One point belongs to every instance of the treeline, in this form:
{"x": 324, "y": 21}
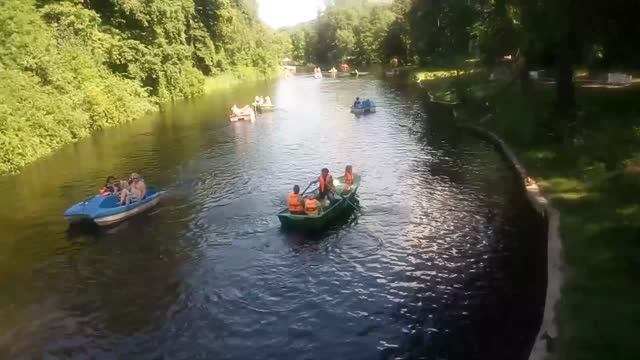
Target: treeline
{"x": 556, "y": 35}
{"x": 551, "y": 34}
{"x": 69, "y": 67}
{"x": 343, "y": 34}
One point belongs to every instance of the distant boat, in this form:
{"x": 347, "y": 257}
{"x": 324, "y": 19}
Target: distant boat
{"x": 264, "y": 108}
{"x": 366, "y": 106}
{"x": 353, "y": 73}
{"x": 248, "y": 115}
{"x": 106, "y": 210}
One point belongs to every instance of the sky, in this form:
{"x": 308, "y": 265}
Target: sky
{"x": 280, "y": 13}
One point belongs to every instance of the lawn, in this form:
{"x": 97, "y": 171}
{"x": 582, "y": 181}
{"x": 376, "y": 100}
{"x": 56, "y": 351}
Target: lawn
{"x": 590, "y": 170}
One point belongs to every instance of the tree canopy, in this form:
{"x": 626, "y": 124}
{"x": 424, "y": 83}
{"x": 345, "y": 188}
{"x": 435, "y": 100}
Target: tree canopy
{"x": 72, "y": 66}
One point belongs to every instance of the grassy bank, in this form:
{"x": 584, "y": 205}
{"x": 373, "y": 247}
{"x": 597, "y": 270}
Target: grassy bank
{"x": 590, "y": 170}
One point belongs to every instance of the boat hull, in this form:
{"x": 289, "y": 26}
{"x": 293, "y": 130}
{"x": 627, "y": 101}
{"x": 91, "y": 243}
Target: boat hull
{"x": 248, "y": 116}
{"x": 368, "y": 110}
{"x": 265, "y": 108}
{"x": 106, "y": 210}
{"x": 116, "y": 218}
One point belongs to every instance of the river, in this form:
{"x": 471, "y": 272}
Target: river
{"x": 444, "y": 260}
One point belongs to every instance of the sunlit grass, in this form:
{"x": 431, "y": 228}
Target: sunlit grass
{"x": 590, "y": 170}
{"x": 442, "y": 74}
{"x": 589, "y": 177}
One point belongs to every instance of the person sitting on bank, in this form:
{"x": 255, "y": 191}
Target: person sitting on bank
{"x": 348, "y": 178}
{"x": 357, "y": 103}
{"x": 109, "y": 186}
{"x": 295, "y": 202}
{"x": 312, "y": 206}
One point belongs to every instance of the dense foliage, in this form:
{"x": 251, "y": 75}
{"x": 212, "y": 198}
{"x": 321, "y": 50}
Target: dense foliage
{"x": 343, "y": 34}
{"x": 69, "y": 67}
{"x": 551, "y": 34}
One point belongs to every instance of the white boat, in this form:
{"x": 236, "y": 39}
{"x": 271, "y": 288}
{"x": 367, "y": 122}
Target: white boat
{"x": 248, "y": 115}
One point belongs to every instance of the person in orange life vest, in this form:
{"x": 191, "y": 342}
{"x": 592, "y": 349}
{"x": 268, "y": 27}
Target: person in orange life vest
{"x": 312, "y": 206}
{"x": 109, "y": 187}
{"x": 295, "y": 202}
{"x": 325, "y": 187}
{"x": 348, "y": 178}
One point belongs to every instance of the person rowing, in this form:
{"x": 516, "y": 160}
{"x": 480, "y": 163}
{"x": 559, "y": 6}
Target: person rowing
{"x": 357, "y": 103}
{"x": 326, "y": 188}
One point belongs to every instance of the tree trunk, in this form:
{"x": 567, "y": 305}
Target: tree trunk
{"x": 525, "y": 80}
{"x": 565, "y": 89}
{"x": 528, "y": 11}
{"x": 565, "y": 57}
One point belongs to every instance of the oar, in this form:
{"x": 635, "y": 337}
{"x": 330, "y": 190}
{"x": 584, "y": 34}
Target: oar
{"x": 305, "y": 190}
{"x": 346, "y": 198}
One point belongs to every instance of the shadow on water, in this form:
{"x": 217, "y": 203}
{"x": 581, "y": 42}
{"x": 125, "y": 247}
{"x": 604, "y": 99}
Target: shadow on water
{"x": 501, "y": 307}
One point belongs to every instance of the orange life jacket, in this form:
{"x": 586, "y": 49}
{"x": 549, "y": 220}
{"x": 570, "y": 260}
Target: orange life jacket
{"x": 104, "y": 192}
{"x": 348, "y": 178}
{"x": 311, "y": 206}
{"x": 324, "y": 182}
{"x": 294, "y": 204}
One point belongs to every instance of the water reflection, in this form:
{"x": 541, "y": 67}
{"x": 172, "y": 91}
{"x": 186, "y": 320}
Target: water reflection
{"x": 438, "y": 258}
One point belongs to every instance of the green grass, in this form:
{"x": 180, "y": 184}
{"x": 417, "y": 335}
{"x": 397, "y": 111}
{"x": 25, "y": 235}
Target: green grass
{"x": 448, "y": 85}
{"x": 591, "y": 174}
{"x": 590, "y": 170}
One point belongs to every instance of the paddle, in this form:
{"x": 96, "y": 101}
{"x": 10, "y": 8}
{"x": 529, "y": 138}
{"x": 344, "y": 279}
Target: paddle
{"x": 305, "y": 190}
{"x": 346, "y": 198}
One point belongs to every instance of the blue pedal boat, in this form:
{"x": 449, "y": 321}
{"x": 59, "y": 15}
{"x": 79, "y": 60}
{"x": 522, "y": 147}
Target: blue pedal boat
{"x": 106, "y": 210}
{"x": 366, "y": 106}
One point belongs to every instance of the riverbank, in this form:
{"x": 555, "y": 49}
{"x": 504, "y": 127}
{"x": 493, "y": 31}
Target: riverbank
{"x": 35, "y": 124}
{"x": 71, "y": 68}
{"x": 590, "y": 171}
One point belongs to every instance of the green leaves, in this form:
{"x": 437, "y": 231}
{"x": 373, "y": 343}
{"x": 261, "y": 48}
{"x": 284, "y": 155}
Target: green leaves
{"x": 69, "y": 68}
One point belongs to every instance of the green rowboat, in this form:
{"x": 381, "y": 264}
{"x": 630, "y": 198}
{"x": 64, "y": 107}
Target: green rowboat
{"x": 328, "y": 215}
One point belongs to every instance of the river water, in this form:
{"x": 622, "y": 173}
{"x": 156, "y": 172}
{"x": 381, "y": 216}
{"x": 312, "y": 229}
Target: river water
{"x": 444, "y": 259}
